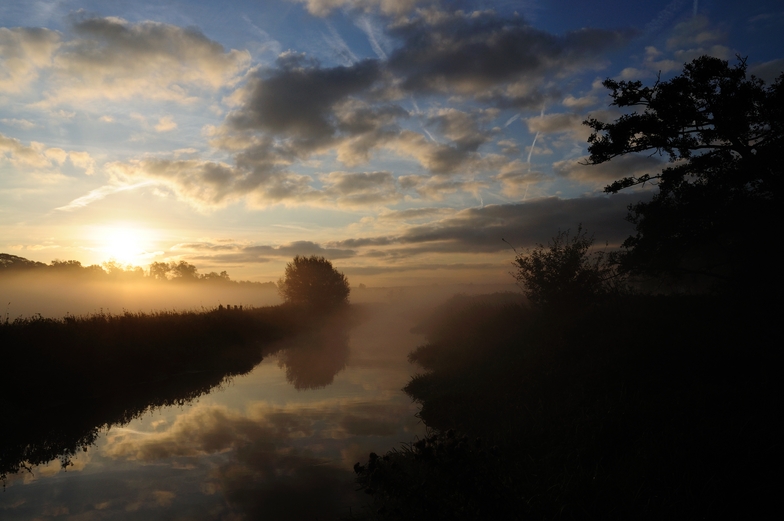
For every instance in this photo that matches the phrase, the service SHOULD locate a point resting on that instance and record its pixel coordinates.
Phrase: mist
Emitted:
(55, 296)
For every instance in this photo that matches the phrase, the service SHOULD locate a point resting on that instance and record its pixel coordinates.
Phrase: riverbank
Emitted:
(635, 407)
(74, 376)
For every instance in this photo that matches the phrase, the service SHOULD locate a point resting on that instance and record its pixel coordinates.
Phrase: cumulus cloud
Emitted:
(110, 58)
(23, 52)
(484, 54)
(165, 124)
(39, 156)
(360, 188)
(296, 99)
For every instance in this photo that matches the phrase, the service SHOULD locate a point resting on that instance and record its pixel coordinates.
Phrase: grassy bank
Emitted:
(635, 407)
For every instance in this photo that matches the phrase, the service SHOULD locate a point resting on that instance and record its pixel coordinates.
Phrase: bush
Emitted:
(564, 273)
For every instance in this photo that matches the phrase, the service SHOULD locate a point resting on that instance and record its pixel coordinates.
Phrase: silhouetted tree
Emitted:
(183, 271)
(722, 133)
(158, 270)
(564, 273)
(312, 281)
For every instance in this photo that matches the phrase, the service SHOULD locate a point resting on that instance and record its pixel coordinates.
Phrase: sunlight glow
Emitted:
(124, 244)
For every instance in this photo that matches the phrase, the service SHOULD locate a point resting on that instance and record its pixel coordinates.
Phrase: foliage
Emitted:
(722, 134)
(442, 476)
(565, 273)
(313, 282)
(591, 422)
(179, 272)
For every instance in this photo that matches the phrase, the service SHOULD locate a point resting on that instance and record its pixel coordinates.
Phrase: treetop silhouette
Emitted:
(722, 133)
(313, 282)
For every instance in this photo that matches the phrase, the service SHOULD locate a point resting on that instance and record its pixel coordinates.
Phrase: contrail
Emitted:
(339, 45)
(512, 120)
(98, 194)
(696, 6)
(530, 153)
(531, 150)
(364, 24)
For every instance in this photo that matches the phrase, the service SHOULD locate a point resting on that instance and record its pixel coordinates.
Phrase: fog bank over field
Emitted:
(56, 296)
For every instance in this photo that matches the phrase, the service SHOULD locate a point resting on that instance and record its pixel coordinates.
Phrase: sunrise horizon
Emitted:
(411, 139)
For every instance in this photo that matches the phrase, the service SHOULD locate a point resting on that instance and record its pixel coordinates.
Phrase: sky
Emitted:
(409, 142)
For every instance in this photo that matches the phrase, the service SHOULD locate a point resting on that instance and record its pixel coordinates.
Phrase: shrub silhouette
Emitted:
(564, 272)
(313, 282)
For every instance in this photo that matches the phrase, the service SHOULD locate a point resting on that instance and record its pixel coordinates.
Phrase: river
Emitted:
(277, 443)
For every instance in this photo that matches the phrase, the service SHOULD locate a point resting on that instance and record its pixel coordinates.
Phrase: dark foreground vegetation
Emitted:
(602, 399)
(637, 407)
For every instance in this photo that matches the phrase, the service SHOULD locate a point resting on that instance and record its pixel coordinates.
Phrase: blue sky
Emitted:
(401, 139)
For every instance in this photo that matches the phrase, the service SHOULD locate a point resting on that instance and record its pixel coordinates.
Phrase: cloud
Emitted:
(207, 184)
(83, 160)
(165, 124)
(413, 214)
(23, 52)
(480, 230)
(113, 59)
(339, 46)
(19, 123)
(38, 156)
(360, 188)
(97, 195)
(604, 173)
(297, 99)
(234, 253)
(375, 35)
(483, 54)
(389, 7)
(768, 71)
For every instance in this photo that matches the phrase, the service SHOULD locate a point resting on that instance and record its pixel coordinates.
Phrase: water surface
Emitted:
(279, 442)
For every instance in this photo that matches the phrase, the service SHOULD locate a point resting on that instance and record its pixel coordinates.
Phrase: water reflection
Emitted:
(312, 360)
(259, 448)
(42, 424)
(46, 422)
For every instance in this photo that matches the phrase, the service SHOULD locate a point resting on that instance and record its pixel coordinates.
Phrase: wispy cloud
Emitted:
(98, 194)
(373, 34)
(339, 45)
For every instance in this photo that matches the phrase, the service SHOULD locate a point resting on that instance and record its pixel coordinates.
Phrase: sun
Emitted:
(124, 244)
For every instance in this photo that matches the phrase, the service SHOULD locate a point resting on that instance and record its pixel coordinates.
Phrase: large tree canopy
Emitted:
(312, 281)
(722, 133)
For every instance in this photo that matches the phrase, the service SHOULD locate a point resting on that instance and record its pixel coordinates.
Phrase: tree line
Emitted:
(180, 271)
